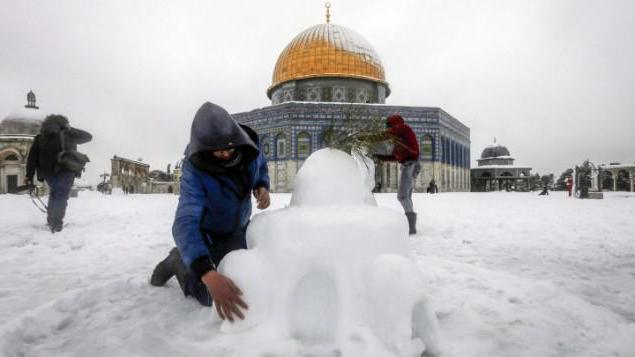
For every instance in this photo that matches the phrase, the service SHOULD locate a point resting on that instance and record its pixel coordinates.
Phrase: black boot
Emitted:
(165, 269)
(181, 271)
(412, 222)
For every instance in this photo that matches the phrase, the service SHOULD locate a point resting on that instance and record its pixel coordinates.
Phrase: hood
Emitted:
(394, 120)
(214, 129)
(54, 123)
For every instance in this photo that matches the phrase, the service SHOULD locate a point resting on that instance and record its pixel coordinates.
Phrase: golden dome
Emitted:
(327, 50)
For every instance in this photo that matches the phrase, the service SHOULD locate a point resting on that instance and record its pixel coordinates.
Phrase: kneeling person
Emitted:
(222, 169)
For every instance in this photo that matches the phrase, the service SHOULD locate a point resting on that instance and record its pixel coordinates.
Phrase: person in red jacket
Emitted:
(406, 152)
(569, 185)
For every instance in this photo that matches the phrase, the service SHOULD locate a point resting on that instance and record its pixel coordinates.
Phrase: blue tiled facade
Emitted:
(280, 125)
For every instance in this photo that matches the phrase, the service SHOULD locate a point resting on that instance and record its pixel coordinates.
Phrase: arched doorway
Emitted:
(485, 182)
(170, 189)
(623, 181)
(506, 181)
(607, 180)
(11, 173)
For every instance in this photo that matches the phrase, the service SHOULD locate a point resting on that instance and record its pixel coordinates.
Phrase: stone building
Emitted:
(617, 177)
(163, 182)
(134, 176)
(322, 75)
(129, 175)
(17, 131)
(496, 171)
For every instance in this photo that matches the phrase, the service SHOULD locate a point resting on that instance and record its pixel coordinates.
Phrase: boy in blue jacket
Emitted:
(223, 167)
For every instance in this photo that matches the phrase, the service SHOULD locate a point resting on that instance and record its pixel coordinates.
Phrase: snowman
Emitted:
(331, 274)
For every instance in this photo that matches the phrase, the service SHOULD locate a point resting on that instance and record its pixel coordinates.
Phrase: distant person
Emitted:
(49, 156)
(544, 192)
(432, 187)
(406, 152)
(222, 169)
(569, 185)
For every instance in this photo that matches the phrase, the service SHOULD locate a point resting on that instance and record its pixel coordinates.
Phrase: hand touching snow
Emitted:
(226, 295)
(262, 197)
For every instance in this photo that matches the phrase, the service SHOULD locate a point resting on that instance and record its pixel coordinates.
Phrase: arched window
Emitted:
(426, 147)
(281, 146)
(304, 145)
(265, 146)
(12, 157)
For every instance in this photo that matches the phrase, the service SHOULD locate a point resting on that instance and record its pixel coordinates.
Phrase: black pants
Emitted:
(221, 245)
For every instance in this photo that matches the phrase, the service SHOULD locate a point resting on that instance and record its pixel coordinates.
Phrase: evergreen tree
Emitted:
(357, 131)
(547, 180)
(583, 178)
(534, 182)
(561, 182)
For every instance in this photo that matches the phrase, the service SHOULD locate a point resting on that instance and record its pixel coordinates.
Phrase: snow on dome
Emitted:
(23, 121)
(332, 177)
(26, 114)
(330, 274)
(494, 150)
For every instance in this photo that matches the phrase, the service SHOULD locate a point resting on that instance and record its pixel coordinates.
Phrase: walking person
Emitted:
(406, 152)
(48, 157)
(223, 168)
(432, 187)
(569, 185)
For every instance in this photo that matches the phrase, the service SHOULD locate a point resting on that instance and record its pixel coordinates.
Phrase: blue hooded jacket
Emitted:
(211, 203)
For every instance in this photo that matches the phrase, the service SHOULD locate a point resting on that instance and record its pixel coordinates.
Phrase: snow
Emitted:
(343, 278)
(27, 114)
(16, 137)
(507, 274)
(485, 167)
(332, 178)
(617, 166)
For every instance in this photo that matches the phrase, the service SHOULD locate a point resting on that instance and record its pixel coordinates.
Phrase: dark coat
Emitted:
(47, 145)
(406, 146)
(212, 202)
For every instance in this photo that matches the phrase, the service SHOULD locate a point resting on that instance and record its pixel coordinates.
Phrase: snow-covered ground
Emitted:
(509, 274)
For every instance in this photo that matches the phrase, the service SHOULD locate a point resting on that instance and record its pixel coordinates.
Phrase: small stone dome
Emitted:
(24, 121)
(20, 126)
(494, 150)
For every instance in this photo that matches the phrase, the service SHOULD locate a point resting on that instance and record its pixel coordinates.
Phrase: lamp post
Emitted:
(104, 176)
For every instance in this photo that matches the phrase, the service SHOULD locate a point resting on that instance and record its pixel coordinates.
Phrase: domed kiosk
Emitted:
(496, 171)
(325, 73)
(17, 131)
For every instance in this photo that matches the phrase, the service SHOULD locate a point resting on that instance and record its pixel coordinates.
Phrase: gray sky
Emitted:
(553, 80)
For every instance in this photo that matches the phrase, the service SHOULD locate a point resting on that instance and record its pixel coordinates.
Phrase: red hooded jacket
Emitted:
(406, 145)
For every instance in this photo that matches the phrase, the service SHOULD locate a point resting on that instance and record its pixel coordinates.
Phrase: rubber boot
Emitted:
(165, 269)
(412, 222)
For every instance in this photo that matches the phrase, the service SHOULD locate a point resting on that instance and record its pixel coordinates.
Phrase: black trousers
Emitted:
(221, 245)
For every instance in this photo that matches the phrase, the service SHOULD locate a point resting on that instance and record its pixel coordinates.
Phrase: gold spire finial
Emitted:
(328, 12)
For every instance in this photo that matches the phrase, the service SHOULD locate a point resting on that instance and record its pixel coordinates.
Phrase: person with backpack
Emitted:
(222, 169)
(55, 158)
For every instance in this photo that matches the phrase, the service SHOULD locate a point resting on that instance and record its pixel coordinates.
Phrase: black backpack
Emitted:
(71, 160)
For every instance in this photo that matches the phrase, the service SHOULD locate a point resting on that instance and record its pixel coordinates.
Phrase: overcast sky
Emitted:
(553, 80)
